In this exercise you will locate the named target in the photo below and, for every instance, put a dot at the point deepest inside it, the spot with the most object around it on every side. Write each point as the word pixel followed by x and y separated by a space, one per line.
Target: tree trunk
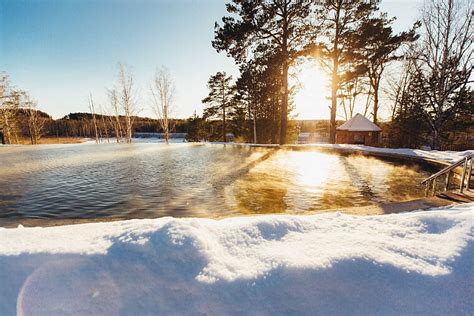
pixel 166 124
pixel 224 127
pixel 334 80
pixel 434 141
pixel 332 128
pixel 254 128
pixel 128 126
pixel 284 105
pixel 376 104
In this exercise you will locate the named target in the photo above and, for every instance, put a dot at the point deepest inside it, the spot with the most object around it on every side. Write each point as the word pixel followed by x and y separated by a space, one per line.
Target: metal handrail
pixel 447 169
pixel 464 161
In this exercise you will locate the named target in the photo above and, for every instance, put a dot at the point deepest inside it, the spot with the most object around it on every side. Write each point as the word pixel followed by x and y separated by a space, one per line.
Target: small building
pixel 358 130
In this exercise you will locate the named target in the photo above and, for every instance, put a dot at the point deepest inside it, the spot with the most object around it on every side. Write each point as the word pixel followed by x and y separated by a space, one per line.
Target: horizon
pixel 62 51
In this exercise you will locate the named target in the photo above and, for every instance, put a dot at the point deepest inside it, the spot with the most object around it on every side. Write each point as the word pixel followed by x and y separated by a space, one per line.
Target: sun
pixel 311 99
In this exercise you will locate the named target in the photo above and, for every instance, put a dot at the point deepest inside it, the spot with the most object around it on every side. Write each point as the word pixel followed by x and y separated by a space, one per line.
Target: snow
pixel 410 263
pixel 436 155
pixel 138 140
pixel 359 123
pixel 444 156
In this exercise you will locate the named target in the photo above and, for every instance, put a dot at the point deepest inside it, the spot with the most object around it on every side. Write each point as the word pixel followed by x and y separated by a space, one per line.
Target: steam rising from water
pixel 150 180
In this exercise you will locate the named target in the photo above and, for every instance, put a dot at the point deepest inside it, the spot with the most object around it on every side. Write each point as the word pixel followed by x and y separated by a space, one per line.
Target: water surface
pixel 153 180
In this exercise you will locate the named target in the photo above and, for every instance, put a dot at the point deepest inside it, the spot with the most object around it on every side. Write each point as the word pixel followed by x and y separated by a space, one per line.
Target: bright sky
pixel 60 50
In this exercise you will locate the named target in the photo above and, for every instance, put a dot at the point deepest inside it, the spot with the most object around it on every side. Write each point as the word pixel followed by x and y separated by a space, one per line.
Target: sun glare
pixel 311 99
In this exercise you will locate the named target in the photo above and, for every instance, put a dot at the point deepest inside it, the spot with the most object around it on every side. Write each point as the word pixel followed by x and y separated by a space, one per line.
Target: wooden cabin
pixel 358 130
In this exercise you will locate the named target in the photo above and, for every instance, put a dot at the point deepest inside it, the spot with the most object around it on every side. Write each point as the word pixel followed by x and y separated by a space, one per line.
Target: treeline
pixel 82 125
pixel 423 73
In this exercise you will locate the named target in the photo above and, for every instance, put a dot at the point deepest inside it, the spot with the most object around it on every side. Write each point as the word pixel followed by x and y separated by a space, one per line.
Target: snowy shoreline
pixel 434 155
pixel 418 262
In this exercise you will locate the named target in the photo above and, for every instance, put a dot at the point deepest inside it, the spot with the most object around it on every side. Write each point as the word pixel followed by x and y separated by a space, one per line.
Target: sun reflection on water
pixel 303 181
pixel 150 180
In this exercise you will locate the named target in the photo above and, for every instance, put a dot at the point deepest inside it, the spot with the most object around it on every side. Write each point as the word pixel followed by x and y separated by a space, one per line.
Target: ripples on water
pixel 154 180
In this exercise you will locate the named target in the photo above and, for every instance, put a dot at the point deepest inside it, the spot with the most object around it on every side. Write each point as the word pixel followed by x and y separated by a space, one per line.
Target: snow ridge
pixel 327 263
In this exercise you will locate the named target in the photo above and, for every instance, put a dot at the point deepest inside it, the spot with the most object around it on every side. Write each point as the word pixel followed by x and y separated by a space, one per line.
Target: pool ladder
pixel 466 174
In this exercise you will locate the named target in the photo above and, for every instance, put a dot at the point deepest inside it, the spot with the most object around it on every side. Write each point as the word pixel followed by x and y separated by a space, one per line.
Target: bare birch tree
pixel 9 105
pixel 104 123
pixel 162 90
pixel 34 118
pixel 94 119
pixel 127 100
pixel 114 116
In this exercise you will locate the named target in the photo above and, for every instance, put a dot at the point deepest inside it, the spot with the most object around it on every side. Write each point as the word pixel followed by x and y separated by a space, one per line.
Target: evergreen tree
pixel 220 99
pixel 258 90
pixel 196 130
pixel 279 26
pixel 375 46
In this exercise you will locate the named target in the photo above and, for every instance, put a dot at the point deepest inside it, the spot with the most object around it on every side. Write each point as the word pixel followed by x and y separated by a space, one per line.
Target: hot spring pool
pixel 153 180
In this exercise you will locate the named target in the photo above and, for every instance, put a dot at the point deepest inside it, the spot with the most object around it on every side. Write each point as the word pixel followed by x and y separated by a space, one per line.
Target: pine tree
pixel 279 26
pixel 219 100
pixel 375 46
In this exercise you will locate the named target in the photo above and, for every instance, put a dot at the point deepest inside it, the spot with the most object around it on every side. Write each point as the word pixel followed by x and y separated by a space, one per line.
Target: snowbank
pixel 447 156
pixel 323 264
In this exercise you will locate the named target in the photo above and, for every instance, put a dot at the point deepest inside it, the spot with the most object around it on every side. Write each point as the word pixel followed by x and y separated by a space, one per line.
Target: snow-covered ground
pixel 147 140
pixel 447 156
pixel 411 263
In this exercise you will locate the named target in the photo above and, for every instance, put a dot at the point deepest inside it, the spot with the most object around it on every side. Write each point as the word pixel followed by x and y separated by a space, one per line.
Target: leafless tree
pixel 9 105
pixel 34 118
pixel 127 100
pixel 104 124
pixel 162 90
pixel 398 82
pixel 445 62
pixel 94 119
pixel 349 93
pixel 114 116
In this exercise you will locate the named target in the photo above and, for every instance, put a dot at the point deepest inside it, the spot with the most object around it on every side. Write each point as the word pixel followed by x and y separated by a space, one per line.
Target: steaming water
pixel 152 180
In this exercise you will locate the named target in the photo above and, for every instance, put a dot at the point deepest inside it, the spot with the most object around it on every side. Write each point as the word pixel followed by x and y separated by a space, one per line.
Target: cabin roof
pixel 359 123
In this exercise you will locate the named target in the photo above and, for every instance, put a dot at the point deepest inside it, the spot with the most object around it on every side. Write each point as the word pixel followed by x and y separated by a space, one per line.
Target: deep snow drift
pixel 331 263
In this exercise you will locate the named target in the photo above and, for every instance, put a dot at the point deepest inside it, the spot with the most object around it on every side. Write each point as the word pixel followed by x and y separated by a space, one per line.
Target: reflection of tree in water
pixel 262 193
pixel 361 178
pixel 238 172
pixel 204 192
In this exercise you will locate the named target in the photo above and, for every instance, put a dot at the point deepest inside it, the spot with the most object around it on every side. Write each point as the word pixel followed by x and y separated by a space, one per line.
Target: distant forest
pixel 82 125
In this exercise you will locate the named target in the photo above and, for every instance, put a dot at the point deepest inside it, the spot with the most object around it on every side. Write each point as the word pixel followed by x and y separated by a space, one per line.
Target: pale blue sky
pixel 60 51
